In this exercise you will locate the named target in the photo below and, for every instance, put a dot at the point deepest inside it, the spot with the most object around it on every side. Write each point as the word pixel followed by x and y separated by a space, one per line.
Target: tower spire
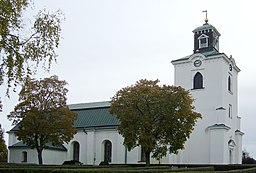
pixel 206 19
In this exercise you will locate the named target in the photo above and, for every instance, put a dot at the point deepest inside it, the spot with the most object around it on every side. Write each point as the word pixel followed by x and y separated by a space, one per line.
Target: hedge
pixel 25 170
pixel 248 170
pixel 103 170
pixel 123 169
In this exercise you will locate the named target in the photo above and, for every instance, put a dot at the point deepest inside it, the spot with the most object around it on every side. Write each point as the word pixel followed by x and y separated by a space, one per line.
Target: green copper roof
pixel 206 54
pixel 94 117
pixel 91 115
pixel 48 146
pixel 210 53
pixel 206 26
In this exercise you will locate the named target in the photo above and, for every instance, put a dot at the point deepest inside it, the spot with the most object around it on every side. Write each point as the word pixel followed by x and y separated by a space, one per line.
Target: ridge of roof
pixel 89 105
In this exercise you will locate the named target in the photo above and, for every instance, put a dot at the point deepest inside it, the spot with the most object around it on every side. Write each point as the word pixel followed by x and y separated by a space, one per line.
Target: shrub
pixel 72 162
pixel 104 163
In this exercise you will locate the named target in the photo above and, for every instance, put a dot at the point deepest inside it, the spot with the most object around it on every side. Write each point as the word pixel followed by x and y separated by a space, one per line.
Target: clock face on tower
pixel 197 63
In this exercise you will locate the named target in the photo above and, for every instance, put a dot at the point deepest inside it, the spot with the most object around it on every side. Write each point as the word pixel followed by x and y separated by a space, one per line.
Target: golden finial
pixel 206 19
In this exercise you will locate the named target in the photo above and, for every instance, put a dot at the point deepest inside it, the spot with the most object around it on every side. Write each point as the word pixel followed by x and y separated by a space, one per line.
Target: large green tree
pixel 42 115
pixel 23 47
pixel 157 118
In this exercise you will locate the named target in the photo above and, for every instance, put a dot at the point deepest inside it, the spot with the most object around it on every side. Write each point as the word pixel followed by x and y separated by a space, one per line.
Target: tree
pixel 42 115
pixel 3 148
pixel 22 48
pixel 158 118
pixel 247 159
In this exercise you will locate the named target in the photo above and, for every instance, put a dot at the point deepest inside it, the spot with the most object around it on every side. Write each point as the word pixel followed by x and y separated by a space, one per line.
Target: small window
pixel 24 156
pixel 203 41
pixel 230 111
pixel 198 81
pixel 229 84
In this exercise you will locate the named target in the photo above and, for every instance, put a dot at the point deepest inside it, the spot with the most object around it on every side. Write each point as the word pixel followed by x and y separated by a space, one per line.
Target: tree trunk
pixel 39 154
pixel 147 153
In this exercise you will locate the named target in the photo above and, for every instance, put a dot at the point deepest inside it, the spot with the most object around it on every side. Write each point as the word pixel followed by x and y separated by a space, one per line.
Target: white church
pixel 211 78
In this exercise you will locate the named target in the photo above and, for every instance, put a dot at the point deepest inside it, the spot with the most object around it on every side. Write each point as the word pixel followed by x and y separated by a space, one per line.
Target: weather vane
pixel 206 19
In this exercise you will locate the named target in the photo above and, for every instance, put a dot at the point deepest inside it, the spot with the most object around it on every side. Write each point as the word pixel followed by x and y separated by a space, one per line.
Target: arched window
pixel 24 156
pixel 229 84
pixel 76 148
pixel 107 151
pixel 230 156
pixel 231 145
pixel 198 81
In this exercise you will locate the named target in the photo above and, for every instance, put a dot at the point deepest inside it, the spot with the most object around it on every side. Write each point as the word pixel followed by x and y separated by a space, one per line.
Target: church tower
pixel 211 78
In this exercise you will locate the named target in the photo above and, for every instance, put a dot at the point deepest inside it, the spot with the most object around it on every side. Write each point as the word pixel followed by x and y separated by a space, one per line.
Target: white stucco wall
pixel 15 155
pixel 91 149
pixel 91 143
pixel 49 156
pixel 204 146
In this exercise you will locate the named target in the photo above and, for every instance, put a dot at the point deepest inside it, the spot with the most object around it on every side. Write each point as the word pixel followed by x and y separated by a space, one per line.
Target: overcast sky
pixel 110 44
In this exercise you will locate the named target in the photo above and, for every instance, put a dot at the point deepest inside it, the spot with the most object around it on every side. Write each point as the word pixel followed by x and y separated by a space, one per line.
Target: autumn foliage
pixel 157 118
pixel 42 115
